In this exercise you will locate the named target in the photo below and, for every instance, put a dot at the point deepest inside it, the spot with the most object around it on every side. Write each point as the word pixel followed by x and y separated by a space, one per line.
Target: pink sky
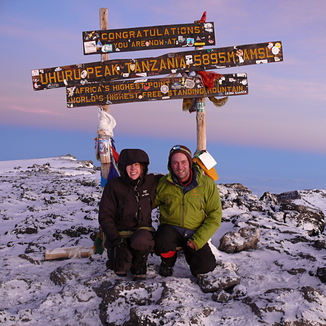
pixel 285 107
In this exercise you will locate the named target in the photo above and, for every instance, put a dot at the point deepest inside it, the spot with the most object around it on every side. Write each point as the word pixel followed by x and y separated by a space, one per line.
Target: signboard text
pixel 154 89
pixel 187 61
pixel 146 38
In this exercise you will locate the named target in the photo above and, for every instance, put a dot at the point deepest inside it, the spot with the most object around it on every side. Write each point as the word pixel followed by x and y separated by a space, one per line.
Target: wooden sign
pixel 147 38
pixel 218 58
pixel 154 89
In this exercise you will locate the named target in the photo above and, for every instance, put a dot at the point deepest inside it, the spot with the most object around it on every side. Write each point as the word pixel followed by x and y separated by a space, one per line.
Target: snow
pixel 50 203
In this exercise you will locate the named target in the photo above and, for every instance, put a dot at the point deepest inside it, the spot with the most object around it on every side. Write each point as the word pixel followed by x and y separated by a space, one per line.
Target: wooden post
pixel 201 123
pixel 201 116
pixel 105 159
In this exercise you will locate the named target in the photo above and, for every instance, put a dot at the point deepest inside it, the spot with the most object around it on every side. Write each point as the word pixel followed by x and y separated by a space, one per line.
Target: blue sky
pixel 273 139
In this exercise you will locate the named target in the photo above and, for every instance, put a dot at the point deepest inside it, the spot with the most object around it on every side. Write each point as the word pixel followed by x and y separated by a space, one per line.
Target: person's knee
pixel 142 240
pixel 166 239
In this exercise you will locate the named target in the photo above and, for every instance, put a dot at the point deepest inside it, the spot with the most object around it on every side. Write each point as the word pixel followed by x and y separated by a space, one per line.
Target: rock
pixel 313 221
pixel 289 195
pixel 41 209
pixel 281 306
pixel 246 238
pixel 151 303
pixel 31 260
pixel 221 296
pixel 321 273
pixel 239 291
pixel 320 244
pixel 218 279
pixel 269 198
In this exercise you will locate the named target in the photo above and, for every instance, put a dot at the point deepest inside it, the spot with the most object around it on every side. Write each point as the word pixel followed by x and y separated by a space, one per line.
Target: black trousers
pixel 168 238
pixel 132 254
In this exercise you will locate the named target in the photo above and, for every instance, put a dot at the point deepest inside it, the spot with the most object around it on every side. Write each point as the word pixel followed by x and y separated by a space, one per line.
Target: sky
pixel 272 139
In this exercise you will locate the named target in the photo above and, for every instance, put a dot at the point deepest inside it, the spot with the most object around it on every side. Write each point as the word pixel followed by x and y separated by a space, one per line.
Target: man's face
pixel 180 166
pixel 134 170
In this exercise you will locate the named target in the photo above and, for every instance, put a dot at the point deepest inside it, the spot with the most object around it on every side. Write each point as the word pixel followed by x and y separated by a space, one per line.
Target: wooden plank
pixel 68 252
pixel 104 158
pixel 148 38
pixel 187 61
pixel 154 89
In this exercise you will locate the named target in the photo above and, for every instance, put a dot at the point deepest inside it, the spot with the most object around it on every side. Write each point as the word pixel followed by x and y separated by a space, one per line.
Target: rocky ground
pixel 271 254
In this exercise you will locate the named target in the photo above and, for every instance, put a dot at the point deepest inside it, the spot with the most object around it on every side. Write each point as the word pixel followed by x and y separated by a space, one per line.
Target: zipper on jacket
pixel 183 210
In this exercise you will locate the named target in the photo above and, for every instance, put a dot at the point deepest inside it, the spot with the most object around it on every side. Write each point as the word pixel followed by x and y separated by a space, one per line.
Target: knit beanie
pixel 180 149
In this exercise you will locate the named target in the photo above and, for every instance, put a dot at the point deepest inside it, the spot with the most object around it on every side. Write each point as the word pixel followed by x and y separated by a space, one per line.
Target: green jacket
pixel 197 209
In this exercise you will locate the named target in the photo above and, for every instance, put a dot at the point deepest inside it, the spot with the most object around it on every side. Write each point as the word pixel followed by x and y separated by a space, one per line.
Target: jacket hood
pixel 131 156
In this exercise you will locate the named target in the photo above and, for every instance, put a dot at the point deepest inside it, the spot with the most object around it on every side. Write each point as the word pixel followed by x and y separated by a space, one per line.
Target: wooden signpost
pixel 102 137
pixel 140 90
pixel 171 63
pixel 150 37
pixel 109 81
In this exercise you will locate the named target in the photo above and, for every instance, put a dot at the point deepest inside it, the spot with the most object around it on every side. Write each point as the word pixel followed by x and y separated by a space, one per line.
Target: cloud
pixel 35 110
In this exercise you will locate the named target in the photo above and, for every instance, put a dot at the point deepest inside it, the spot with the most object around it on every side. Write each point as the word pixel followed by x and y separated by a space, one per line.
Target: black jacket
pixel 126 204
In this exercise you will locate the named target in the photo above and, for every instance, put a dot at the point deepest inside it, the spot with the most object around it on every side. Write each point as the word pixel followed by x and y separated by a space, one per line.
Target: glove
pixel 121 257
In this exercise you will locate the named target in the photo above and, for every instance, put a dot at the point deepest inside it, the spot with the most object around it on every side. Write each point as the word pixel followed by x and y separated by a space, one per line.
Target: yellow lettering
pixel 222 57
pixel 115 70
pixel 52 79
pixel 137 67
pixel 90 71
pixel 77 74
pixel 206 59
pixel 44 81
pixel 107 71
pixel 253 54
pixel 68 75
pixel 231 56
pixel 153 65
pixel 182 63
pixel 62 76
pixel 197 60
pixel 162 64
pixel 261 53
pixel 145 65
pixel 98 71
pixel 190 30
pixel 171 63
pixel 245 54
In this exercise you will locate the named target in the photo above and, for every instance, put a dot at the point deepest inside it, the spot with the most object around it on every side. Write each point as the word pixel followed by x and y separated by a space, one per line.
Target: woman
pixel 125 214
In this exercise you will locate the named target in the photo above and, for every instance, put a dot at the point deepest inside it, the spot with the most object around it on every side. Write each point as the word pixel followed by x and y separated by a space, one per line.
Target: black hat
pixel 130 156
pixel 180 149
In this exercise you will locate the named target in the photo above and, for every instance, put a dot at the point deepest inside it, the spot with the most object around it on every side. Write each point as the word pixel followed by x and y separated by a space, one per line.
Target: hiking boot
pixel 165 270
pixel 139 277
pixel 122 274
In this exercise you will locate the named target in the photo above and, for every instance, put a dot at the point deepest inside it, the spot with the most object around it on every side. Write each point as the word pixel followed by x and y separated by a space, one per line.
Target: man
pixel 190 213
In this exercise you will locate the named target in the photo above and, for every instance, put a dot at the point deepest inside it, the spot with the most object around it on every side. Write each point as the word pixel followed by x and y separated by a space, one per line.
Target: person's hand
pixel 191 244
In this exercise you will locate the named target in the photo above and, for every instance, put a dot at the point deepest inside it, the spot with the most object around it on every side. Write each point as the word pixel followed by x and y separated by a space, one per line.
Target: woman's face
pixel 134 171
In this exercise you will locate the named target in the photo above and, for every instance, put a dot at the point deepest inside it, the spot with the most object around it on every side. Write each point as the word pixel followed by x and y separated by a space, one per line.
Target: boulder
pixel 246 238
